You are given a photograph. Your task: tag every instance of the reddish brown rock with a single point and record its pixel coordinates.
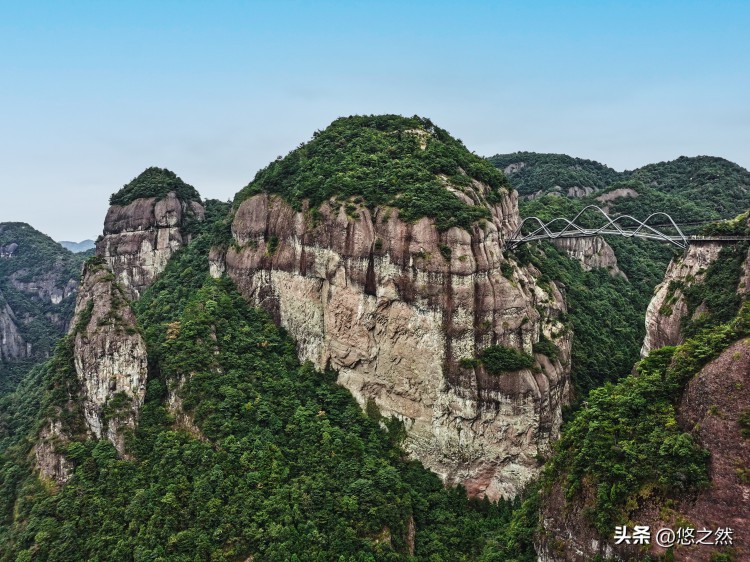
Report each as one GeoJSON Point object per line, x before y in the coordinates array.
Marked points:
{"type": "Point", "coordinates": [394, 306]}
{"type": "Point", "coordinates": [710, 408]}
{"type": "Point", "coordinates": [139, 238]}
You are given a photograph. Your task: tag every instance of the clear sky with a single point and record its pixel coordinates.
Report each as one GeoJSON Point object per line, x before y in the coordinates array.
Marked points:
{"type": "Point", "coordinates": [93, 92]}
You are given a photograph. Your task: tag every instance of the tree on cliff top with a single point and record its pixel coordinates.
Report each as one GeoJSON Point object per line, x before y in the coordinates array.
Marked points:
{"type": "Point", "coordinates": [154, 182]}
{"type": "Point", "coordinates": [388, 160]}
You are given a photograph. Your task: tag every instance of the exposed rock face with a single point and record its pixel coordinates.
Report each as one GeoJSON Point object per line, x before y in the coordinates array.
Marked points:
{"type": "Point", "coordinates": [710, 408]}
{"type": "Point", "coordinates": [591, 252]}
{"type": "Point", "coordinates": [110, 356]}
{"type": "Point", "coordinates": [140, 238]}
{"type": "Point", "coordinates": [50, 461]}
{"type": "Point", "coordinates": [394, 307]}
{"type": "Point", "coordinates": [38, 281]}
{"type": "Point", "coordinates": [513, 168]}
{"type": "Point", "coordinates": [578, 191]}
{"type": "Point", "coordinates": [8, 250]}
{"type": "Point", "coordinates": [668, 307]}
{"type": "Point", "coordinates": [47, 287]}
{"type": "Point", "coordinates": [12, 345]}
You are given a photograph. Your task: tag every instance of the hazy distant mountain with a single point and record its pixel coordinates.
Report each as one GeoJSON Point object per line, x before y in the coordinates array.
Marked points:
{"type": "Point", "coordinates": [77, 247]}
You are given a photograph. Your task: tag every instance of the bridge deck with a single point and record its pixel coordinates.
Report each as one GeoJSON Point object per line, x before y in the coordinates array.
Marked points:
{"type": "Point", "coordinates": [678, 240]}
{"type": "Point", "coordinates": [621, 225]}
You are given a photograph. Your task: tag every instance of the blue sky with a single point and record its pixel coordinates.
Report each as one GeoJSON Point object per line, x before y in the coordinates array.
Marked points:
{"type": "Point", "coordinates": [91, 93]}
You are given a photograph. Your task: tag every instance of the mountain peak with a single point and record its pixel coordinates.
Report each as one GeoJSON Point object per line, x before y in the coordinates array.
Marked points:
{"type": "Point", "coordinates": [386, 160]}
{"type": "Point", "coordinates": [154, 182]}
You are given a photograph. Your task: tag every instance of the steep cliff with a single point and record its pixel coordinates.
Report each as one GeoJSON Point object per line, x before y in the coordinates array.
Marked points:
{"type": "Point", "coordinates": [149, 219]}
{"type": "Point", "coordinates": [714, 409]}
{"type": "Point", "coordinates": [702, 287]}
{"type": "Point", "coordinates": [402, 309]}
{"type": "Point", "coordinates": [668, 307]}
{"type": "Point", "coordinates": [12, 345]}
{"type": "Point", "coordinates": [107, 374]}
{"type": "Point", "coordinates": [591, 252]}
{"type": "Point", "coordinates": [109, 354]}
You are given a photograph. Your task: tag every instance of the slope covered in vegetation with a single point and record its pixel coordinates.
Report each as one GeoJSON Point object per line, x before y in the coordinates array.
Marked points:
{"type": "Point", "coordinates": [626, 443]}
{"type": "Point", "coordinates": [391, 160]}
{"type": "Point", "coordinates": [154, 182]}
{"type": "Point", "coordinates": [284, 464]}
{"type": "Point", "coordinates": [36, 282]}
{"type": "Point", "coordinates": [701, 187]}
{"type": "Point", "coordinates": [534, 172]}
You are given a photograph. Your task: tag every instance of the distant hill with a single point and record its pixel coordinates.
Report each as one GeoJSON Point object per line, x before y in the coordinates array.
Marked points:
{"type": "Point", "coordinates": [692, 191]}
{"type": "Point", "coordinates": [38, 281]}
{"type": "Point", "coordinates": [77, 247]}
{"type": "Point", "coordinates": [534, 174]}
{"type": "Point", "coordinates": [694, 188]}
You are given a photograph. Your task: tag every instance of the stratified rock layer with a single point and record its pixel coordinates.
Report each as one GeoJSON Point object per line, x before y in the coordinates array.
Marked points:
{"type": "Point", "coordinates": [394, 307]}
{"type": "Point", "coordinates": [139, 238]}
{"type": "Point", "coordinates": [110, 357]}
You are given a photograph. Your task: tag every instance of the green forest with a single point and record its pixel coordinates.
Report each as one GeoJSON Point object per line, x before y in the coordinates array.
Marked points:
{"type": "Point", "coordinates": [38, 260]}
{"type": "Point", "coordinates": [154, 182]}
{"type": "Point", "coordinates": [278, 462]}
{"type": "Point", "coordinates": [286, 467]}
{"type": "Point", "coordinates": [383, 160]}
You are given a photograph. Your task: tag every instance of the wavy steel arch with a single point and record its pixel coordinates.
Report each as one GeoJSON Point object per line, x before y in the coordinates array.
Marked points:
{"type": "Point", "coordinates": [612, 226]}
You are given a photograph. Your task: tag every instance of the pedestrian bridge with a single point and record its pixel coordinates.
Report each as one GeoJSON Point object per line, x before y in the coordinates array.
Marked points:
{"type": "Point", "coordinates": [621, 225]}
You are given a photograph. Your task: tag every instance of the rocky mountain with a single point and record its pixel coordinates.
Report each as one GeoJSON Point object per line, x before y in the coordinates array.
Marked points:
{"type": "Point", "coordinates": [443, 348]}
{"type": "Point", "coordinates": [696, 413]}
{"type": "Point", "coordinates": [403, 310]}
{"type": "Point", "coordinates": [347, 362]}
{"type": "Point", "coordinates": [38, 280]}
{"type": "Point", "coordinates": [150, 218]}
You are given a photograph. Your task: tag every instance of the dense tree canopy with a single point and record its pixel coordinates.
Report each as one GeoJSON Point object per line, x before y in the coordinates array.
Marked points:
{"type": "Point", "coordinates": [383, 160]}
{"type": "Point", "coordinates": [154, 182]}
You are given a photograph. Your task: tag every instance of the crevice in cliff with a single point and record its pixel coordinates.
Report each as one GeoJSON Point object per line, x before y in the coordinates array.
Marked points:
{"type": "Point", "coordinates": [370, 282]}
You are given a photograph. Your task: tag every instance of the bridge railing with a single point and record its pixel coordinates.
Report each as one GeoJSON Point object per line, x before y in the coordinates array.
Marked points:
{"type": "Point", "coordinates": [570, 229]}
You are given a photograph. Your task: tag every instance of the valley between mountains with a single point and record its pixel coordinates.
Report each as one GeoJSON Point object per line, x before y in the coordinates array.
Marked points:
{"type": "Point", "coordinates": [346, 362]}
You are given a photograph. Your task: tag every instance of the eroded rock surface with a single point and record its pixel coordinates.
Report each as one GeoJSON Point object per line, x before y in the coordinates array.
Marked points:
{"type": "Point", "coordinates": [12, 345]}
{"type": "Point", "coordinates": [394, 307]}
{"type": "Point", "coordinates": [591, 253]}
{"type": "Point", "coordinates": [110, 356]}
{"type": "Point", "coordinates": [711, 409]}
{"type": "Point", "coordinates": [668, 307]}
{"type": "Point", "coordinates": [139, 238]}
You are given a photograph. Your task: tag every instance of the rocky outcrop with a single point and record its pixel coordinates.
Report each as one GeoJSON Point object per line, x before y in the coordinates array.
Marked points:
{"type": "Point", "coordinates": [578, 191]}
{"type": "Point", "coordinates": [51, 461]}
{"type": "Point", "coordinates": [47, 286]}
{"type": "Point", "coordinates": [712, 409]}
{"type": "Point", "coordinates": [591, 252]}
{"type": "Point", "coordinates": [668, 307]}
{"type": "Point", "coordinates": [614, 194]}
{"type": "Point", "coordinates": [38, 280]}
{"type": "Point", "coordinates": [110, 356]}
{"type": "Point", "coordinates": [394, 307]}
{"type": "Point", "coordinates": [8, 250]}
{"type": "Point", "coordinates": [12, 345]}
{"type": "Point", "coordinates": [139, 238]}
